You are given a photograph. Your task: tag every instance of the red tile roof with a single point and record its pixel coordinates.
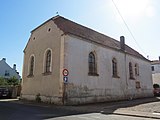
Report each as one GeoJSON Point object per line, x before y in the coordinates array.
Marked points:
{"type": "Point", "coordinates": [71, 27]}
{"type": "Point", "coordinates": [155, 62]}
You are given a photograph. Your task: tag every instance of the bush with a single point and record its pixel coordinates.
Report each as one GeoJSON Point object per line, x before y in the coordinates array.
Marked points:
{"type": "Point", "coordinates": [9, 81]}
{"type": "Point", "coordinates": [156, 86]}
{"type": "Point", "coordinates": [3, 82]}
{"type": "Point", "coordinates": [38, 98]}
{"type": "Point", "coordinates": [13, 81]}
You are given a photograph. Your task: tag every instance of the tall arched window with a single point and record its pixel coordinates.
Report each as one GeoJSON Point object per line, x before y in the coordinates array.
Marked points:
{"type": "Point", "coordinates": [130, 71]}
{"type": "Point", "coordinates": [31, 66]}
{"type": "Point", "coordinates": [48, 61]}
{"type": "Point", "coordinates": [136, 69]}
{"type": "Point", "coordinates": [92, 64]}
{"type": "Point", "coordinates": [114, 67]}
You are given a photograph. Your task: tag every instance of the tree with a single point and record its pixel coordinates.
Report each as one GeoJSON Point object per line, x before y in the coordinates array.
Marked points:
{"type": "Point", "coordinates": [3, 82]}
{"type": "Point", "coordinates": [13, 81]}
{"type": "Point", "coordinates": [9, 81]}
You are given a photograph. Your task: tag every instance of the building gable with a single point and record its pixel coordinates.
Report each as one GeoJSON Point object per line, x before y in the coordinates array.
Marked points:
{"type": "Point", "coordinates": [6, 71]}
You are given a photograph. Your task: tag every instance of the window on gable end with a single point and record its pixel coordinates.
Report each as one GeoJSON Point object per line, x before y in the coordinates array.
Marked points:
{"type": "Point", "coordinates": [31, 66]}
{"type": "Point", "coordinates": [6, 73]}
{"type": "Point", "coordinates": [48, 61]}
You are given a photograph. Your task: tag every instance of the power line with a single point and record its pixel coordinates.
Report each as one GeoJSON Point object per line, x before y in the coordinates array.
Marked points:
{"type": "Point", "coordinates": [127, 26]}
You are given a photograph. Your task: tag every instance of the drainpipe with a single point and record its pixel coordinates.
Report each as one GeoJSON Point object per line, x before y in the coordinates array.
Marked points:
{"type": "Point", "coordinates": [122, 46]}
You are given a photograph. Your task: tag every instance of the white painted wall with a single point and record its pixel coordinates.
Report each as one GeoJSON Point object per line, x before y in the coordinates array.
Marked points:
{"type": "Point", "coordinates": [5, 67]}
{"type": "Point", "coordinates": [83, 88]}
{"type": "Point", "coordinates": [156, 68]}
{"type": "Point", "coordinates": [156, 78]}
{"type": "Point", "coordinates": [156, 74]}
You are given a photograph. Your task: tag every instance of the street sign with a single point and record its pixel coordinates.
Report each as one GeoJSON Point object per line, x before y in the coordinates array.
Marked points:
{"type": "Point", "coordinates": [65, 79]}
{"type": "Point", "coordinates": [65, 72]}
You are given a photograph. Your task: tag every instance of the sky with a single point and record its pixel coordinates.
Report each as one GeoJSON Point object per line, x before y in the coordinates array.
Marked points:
{"type": "Point", "coordinates": [137, 20]}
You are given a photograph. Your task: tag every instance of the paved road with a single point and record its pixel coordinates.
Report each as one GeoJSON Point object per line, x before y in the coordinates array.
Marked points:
{"type": "Point", "coordinates": [15, 111]}
{"type": "Point", "coordinates": [10, 110]}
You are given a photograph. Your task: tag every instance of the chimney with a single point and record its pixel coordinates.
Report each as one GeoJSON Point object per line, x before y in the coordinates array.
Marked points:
{"type": "Point", "coordinates": [4, 59]}
{"type": "Point", "coordinates": [122, 43]}
{"type": "Point", "coordinates": [14, 67]}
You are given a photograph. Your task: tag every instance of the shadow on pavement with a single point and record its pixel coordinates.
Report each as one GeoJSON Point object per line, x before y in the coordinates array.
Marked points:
{"type": "Point", "coordinates": [26, 110]}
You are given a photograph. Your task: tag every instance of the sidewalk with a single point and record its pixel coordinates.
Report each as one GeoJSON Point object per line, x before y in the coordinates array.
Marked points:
{"type": "Point", "coordinates": [145, 107]}
{"type": "Point", "coordinates": [134, 113]}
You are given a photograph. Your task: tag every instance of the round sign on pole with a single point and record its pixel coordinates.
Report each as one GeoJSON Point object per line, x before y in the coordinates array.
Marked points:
{"type": "Point", "coordinates": [65, 72]}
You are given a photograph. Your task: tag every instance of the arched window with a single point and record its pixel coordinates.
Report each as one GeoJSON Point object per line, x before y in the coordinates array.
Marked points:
{"type": "Point", "coordinates": [31, 66]}
{"type": "Point", "coordinates": [136, 69]}
{"type": "Point", "coordinates": [48, 61]}
{"type": "Point", "coordinates": [92, 64]}
{"type": "Point", "coordinates": [114, 67]}
{"type": "Point", "coordinates": [130, 71]}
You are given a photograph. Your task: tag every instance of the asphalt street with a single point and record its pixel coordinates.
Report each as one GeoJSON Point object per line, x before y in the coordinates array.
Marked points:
{"type": "Point", "coordinates": [17, 110]}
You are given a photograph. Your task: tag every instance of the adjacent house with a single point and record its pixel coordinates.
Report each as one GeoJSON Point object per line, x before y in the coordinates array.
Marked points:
{"type": "Point", "coordinates": [155, 67]}
{"type": "Point", "coordinates": [6, 71]}
{"type": "Point", "coordinates": [67, 63]}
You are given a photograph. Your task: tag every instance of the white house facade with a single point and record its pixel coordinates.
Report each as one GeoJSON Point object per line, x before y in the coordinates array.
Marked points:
{"type": "Point", "coordinates": [99, 68]}
{"type": "Point", "coordinates": [6, 71]}
{"type": "Point", "coordinates": [155, 67]}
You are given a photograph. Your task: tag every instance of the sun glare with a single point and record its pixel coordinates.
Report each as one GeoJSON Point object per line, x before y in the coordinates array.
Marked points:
{"type": "Point", "coordinates": [132, 7]}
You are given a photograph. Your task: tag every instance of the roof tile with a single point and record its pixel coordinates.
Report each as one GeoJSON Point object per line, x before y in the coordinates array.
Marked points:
{"type": "Point", "coordinates": [71, 27]}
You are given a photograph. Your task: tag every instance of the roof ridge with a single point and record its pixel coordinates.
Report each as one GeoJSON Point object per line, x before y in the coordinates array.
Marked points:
{"type": "Point", "coordinates": [71, 27]}
{"type": "Point", "coordinates": [58, 16]}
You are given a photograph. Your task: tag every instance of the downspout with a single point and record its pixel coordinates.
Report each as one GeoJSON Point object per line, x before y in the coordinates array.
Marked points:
{"type": "Point", "coordinates": [122, 46]}
{"type": "Point", "coordinates": [126, 70]}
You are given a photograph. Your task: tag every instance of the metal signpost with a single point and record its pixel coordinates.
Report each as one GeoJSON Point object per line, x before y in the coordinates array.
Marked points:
{"type": "Point", "coordinates": [65, 73]}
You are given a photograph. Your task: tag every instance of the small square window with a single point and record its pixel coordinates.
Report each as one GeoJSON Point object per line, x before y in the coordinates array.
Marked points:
{"type": "Point", "coordinates": [138, 86]}
{"type": "Point", "coordinates": [6, 73]}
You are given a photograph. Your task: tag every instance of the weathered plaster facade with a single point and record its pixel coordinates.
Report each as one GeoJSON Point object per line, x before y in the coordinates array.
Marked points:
{"type": "Point", "coordinates": [49, 86]}
{"type": "Point", "coordinates": [83, 88]}
{"type": "Point", "coordinates": [71, 51]}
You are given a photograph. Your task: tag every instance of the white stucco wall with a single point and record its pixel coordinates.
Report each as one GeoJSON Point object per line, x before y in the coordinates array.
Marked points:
{"type": "Point", "coordinates": [5, 67]}
{"type": "Point", "coordinates": [156, 68]}
{"type": "Point", "coordinates": [156, 78]}
{"type": "Point", "coordinates": [156, 74]}
{"type": "Point", "coordinates": [82, 88]}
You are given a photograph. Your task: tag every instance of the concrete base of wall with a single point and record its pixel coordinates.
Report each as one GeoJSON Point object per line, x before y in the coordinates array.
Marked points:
{"type": "Point", "coordinates": [76, 100]}
{"type": "Point", "coordinates": [96, 99]}
{"type": "Point", "coordinates": [45, 99]}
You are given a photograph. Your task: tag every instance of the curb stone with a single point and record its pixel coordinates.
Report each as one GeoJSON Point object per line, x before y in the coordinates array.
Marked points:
{"type": "Point", "coordinates": [133, 113]}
